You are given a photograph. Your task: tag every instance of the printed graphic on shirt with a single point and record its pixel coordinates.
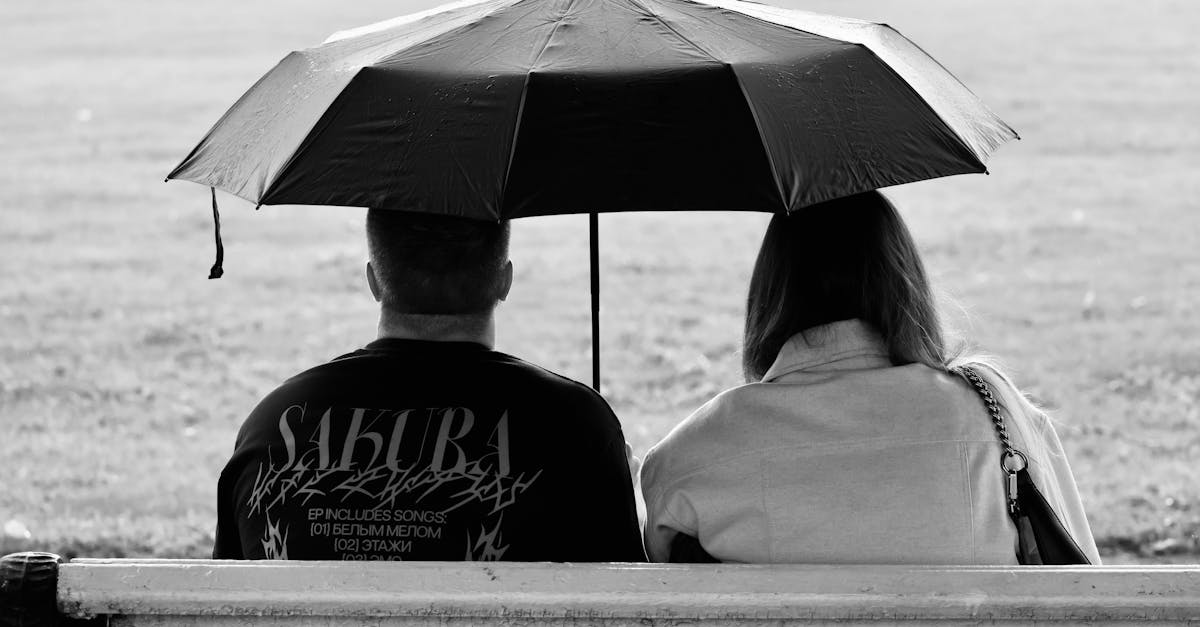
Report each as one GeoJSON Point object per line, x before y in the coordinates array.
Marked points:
{"type": "Point", "coordinates": [371, 484]}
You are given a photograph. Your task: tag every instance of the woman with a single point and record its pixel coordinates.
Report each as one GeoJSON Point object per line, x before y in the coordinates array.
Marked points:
{"type": "Point", "coordinates": [851, 442]}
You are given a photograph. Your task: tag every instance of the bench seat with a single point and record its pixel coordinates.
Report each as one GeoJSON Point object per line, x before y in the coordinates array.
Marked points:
{"type": "Point", "coordinates": [262, 593]}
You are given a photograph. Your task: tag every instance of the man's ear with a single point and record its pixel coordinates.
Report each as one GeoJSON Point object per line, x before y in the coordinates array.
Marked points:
{"type": "Point", "coordinates": [506, 280]}
{"type": "Point", "coordinates": [373, 283]}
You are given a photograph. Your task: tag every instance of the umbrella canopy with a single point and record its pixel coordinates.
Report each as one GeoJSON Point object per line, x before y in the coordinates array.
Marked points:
{"type": "Point", "coordinates": [497, 109]}
{"type": "Point", "coordinates": [500, 109]}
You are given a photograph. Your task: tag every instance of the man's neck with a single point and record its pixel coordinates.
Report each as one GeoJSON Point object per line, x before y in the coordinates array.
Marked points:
{"type": "Point", "coordinates": [478, 328]}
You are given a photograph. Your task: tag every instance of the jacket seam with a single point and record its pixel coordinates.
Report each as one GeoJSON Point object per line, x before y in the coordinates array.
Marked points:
{"type": "Point", "coordinates": [966, 474]}
{"type": "Point", "coordinates": [768, 529]}
{"type": "Point", "coordinates": [827, 446]}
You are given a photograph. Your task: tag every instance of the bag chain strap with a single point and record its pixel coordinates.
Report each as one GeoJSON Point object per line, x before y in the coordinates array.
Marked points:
{"type": "Point", "coordinates": [1008, 461]}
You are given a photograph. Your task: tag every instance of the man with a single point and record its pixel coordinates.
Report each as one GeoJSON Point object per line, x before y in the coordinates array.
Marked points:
{"type": "Point", "coordinates": [427, 444]}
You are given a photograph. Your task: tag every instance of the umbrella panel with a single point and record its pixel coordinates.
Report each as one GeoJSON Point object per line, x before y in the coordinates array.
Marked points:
{"type": "Point", "coordinates": [671, 139]}
{"type": "Point", "coordinates": [423, 142]}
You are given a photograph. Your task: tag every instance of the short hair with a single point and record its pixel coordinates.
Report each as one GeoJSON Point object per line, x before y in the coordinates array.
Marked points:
{"type": "Point", "coordinates": [434, 264]}
{"type": "Point", "coordinates": [847, 258]}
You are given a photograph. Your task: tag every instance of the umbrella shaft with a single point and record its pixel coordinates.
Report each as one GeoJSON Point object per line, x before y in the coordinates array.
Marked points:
{"type": "Point", "coordinates": [594, 245]}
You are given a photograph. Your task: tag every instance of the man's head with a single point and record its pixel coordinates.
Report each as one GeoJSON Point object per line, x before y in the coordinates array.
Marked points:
{"type": "Point", "coordinates": [437, 265]}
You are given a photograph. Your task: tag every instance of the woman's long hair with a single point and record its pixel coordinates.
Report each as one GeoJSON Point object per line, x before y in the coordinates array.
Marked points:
{"type": "Point", "coordinates": [847, 258]}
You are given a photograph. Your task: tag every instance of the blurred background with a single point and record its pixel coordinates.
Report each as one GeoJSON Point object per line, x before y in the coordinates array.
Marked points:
{"type": "Point", "coordinates": [124, 373]}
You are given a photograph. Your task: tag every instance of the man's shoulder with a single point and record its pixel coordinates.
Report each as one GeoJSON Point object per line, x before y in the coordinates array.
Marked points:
{"type": "Point", "coordinates": [501, 373]}
{"type": "Point", "coordinates": [539, 375]}
{"type": "Point", "coordinates": [331, 372]}
{"type": "Point", "coordinates": [558, 395]}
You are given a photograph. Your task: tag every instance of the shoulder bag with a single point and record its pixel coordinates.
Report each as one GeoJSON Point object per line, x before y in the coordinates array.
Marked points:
{"type": "Point", "coordinates": [1041, 536]}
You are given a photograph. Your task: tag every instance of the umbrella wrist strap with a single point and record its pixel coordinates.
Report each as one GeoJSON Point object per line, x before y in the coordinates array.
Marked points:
{"type": "Point", "coordinates": [217, 270]}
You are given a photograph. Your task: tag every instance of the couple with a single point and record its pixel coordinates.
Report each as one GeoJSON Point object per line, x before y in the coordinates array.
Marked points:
{"type": "Point", "coordinates": [851, 442]}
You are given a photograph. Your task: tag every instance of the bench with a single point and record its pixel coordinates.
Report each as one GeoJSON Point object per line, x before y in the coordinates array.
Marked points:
{"type": "Point", "coordinates": [37, 589]}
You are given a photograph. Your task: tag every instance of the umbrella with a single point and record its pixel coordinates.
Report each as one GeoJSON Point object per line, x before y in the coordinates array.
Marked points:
{"type": "Point", "coordinates": [499, 109]}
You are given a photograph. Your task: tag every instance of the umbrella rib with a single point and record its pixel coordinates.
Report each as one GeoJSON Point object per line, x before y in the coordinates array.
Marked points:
{"type": "Point", "coordinates": [1004, 132]}
{"type": "Point", "coordinates": [741, 89]}
{"type": "Point", "coordinates": [512, 149]}
{"type": "Point", "coordinates": [1004, 125]}
{"type": "Point", "coordinates": [402, 20]}
{"type": "Point", "coordinates": [183, 165]}
{"type": "Point", "coordinates": [546, 44]}
{"type": "Point", "coordinates": [786, 202]}
{"type": "Point", "coordinates": [318, 127]}
{"type": "Point", "coordinates": [648, 13]}
{"type": "Point", "coordinates": [962, 141]}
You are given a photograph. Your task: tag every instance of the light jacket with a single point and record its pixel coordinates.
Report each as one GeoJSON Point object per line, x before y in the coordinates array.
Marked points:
{"type": "Point", "coordinates": [838, 456]}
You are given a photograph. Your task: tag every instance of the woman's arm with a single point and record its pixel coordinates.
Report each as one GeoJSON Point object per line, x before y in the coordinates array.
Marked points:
{"type": "Point", "coordinates": [1057, 471]}
{"type": "Point", "coordinates": [667, 517]}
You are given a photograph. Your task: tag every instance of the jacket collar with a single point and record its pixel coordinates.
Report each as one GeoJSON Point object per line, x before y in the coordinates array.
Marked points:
{"type": "Point", "coordinates": [841, 345]}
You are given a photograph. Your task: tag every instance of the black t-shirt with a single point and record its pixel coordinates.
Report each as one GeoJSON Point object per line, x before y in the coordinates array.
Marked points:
{"type": "Point", "coordinates": [413, 450]}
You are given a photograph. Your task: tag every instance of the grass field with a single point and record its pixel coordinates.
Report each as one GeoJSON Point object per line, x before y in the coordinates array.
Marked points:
{"type": "Point", "coordinates": [124, 373]}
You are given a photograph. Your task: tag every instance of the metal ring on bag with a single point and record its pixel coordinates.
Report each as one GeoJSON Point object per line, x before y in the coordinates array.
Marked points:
{"type": "Point", "coordinates": [1010, 455]}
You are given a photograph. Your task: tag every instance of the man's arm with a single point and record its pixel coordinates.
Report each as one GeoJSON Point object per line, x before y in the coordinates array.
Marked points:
{"type": "Point", "coordinates": [228, 545]}
{"type": "Point", "coordinates": [605, 509]}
